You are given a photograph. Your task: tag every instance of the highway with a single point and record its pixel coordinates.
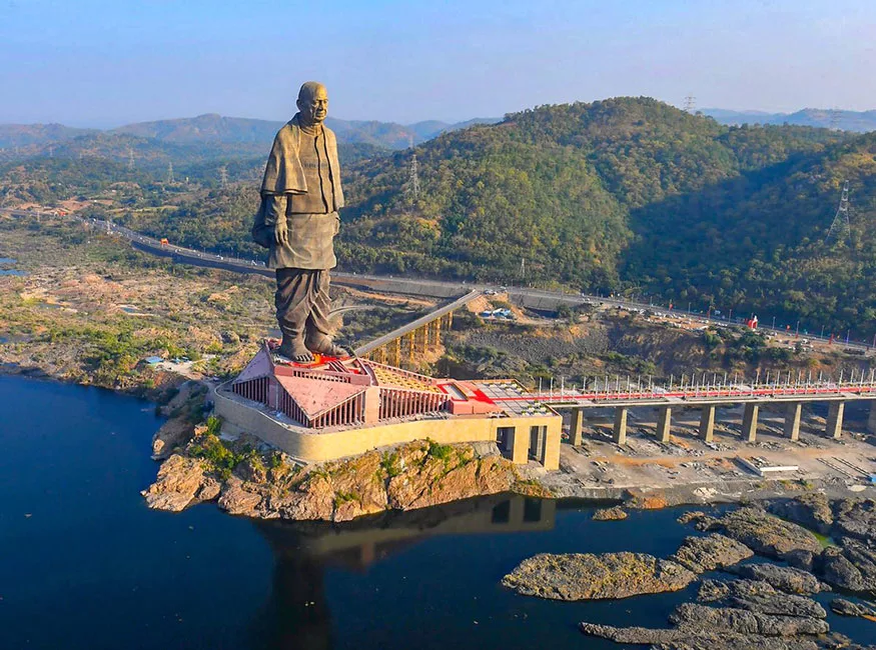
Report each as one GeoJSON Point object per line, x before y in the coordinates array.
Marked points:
{"type": "Point", "coordinates": [538, 299]}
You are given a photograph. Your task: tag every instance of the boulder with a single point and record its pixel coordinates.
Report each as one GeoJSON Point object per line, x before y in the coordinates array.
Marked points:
{"type": "Point", "coordinates": [715, 551]}
{"type": "Point", "coordinates": [584, 576]}
{"type": "Point", "coordinates": [610, 514]}
{"type": "Point", "coordinates": [788, 579]}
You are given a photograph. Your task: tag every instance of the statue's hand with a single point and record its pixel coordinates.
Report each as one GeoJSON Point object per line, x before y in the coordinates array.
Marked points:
{"type": "Point", "coordinates": [281, 233]}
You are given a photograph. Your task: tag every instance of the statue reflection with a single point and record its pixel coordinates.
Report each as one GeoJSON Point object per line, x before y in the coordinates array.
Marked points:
{"type": "Point", "coordinates": [298, 616]}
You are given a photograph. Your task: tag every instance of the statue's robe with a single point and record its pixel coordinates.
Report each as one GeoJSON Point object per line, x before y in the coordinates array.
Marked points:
{"type": "Point", "coordinates": [302, 185]}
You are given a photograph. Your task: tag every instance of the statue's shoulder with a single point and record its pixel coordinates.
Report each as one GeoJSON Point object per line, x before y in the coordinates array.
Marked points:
{"type": "Point", "coordinates": [286, 131]}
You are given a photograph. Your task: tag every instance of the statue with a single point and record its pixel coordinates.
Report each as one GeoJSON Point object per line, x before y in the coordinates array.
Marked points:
{"type": "Point", "coordinates": [298, 220]}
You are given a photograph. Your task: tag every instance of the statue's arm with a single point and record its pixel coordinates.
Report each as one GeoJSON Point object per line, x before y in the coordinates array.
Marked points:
{"type": "Point", "coordinates": [275, 216]}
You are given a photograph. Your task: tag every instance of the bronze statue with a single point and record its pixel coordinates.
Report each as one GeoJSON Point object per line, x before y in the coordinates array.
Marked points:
{"type": "Point", "coordinates": [298, 220]}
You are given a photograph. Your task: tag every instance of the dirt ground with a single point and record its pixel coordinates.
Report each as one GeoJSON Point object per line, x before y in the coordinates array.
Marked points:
{"type": "Point", "coordinates": [715, 471]}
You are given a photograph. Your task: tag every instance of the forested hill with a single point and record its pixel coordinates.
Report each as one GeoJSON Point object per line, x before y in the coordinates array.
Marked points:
{"type": "Point", "coordinates": [630, 192]}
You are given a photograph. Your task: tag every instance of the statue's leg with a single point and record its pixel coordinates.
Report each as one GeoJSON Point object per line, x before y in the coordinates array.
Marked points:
{"type": "Point", "coordinates": [318, 328]}
{"type": "Point", "coordinates": [292, 301]}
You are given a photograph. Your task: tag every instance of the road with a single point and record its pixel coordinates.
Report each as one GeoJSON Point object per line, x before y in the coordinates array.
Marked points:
{"type": "Point", "coordinates": [524, 296]}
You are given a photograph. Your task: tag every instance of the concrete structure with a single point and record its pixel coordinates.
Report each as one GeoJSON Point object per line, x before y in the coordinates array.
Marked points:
{"type": "Point", "coordinates": [749, 421]}
{"type": "Point", "coordinates": [793, 412]}
{"type": "Point", "coordinates": [620, 426]}
{"type": "Point", "coordinates": [835, 419]}
{"type": "Point", "coordinates": [336, 409]}
{"type": "Point", "coordinates": [407, 343]}
{"type": "Point", "coordinates": [707, 422]}
{"type": "Point", "coordinates": [664, 421]}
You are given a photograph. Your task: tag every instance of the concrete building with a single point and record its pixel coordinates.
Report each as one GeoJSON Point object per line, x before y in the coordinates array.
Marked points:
{"type": "Point", "coordinates": [343, 408]}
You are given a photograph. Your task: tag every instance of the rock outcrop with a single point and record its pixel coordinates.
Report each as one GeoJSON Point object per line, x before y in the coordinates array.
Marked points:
{"type": "Point", "coordinates": [768, 535]}
{"type": "Point", "coordinates": [812, 511]}
{"type": "Point", "coordinates": [693, 639]}
{"type": "Point", "coordinates": [851, 565]}
{"type": "Point", "coordinates": [181, 482]}
{"type": "Point", "coordinates": [610, 514]}
{"type": "Point", "coordinates": [715, 551]}
{"type": "Point", "coordinates": [845, 607]}
{"type": "Point", "coordinates": [856, 518]}
{"type": "Point", "coordinates": [760, 597]}
{"type": "Point", "coordinates": [586, 576]}
{"type": "Point", "coordinates": [268, 485]}
{"type": "Point", "coordinates": [787, 579]}
{"type": "Point", "coordinates": [740, 621]}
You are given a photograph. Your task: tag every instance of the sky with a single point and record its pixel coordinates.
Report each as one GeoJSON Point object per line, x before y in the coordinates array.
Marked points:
{"type": "Point", "coordinates": [97, 63]}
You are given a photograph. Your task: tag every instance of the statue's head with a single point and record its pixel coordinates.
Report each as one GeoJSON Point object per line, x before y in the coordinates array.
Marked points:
{"type": "Point", "coordinates": [313, 102]}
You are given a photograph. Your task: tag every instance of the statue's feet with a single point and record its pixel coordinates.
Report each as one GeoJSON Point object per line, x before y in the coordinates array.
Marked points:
{"type": "Point", "coordinates": [294, 350]}
{"type": "Point", "coordinates": [327, 348]}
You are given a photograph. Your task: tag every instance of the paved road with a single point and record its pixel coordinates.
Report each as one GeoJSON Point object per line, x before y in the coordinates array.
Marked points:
{"type": "Point", "coordinates": [526, 297]}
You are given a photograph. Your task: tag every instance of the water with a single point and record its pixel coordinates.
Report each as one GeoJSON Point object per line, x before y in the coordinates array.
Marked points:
{"type": "Point", "coordinates": [8, 261]}
{"type": "Point", "coordinates": [84, 564]}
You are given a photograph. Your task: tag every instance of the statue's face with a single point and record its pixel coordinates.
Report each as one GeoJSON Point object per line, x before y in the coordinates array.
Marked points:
{"type": "Point", "coordinates": [314, 108]}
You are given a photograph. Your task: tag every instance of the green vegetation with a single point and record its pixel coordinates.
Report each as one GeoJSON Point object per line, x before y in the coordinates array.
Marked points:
{"type": "Point", "coordinates": [389, 464]}
{"type": "Point", "coordinates": [626, 195]}
{"type": "Point", "coordinates": [439, 451]}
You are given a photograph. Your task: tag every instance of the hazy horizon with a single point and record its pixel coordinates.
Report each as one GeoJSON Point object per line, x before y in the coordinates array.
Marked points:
{"type": "Point", "coordinates": [103, 64]}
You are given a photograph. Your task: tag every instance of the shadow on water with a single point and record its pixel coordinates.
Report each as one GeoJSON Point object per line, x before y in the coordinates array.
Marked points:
{"type": "Point", "coordinates": [299, 615]}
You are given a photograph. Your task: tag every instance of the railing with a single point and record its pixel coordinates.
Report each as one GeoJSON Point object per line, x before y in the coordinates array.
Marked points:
{"type": "Point", "coordinates": [811, 390]}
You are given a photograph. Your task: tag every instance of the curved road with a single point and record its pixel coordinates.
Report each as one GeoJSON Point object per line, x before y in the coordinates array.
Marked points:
{"type": "Point", "coordinates": [526, 297]}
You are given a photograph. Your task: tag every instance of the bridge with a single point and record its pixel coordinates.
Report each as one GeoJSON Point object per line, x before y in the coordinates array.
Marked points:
{"type": "Point", "coordinates": [789, 392]}
{"type": "Point", "coordinates": [416, 337]}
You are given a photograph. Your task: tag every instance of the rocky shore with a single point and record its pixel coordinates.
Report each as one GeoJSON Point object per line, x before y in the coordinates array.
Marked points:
{"type": "Point", "coordinates": [743, 602]}
{"type": "Point", "coordinates": [251, 480]}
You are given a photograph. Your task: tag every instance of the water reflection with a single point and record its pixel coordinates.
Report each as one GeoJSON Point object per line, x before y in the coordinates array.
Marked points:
{"type": "Point", "coordinates": [298, 616]}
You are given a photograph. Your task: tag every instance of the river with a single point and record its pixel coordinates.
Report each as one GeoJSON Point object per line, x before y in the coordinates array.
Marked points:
{"type": "Point", "coordinates": [85, 565]}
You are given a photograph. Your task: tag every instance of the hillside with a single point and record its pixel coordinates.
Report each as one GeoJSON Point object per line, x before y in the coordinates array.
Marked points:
{"type": "Point", "coordinates": [26, 135]}
{"type": "Point", "coordinates": [624, 195]}
{"type": "Point", "coordinates": [858, 121]}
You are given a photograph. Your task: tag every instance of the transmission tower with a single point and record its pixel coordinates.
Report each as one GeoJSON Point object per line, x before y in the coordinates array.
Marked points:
{"type": "Point", "coordinates": [130, 158]}
{"type": "Point", "coordinates": [833, 119]}
{"type": "Point", "coordinates": [523, 268]}
{"type": "Point", "coordinates": [223, 177]}
{"type": "Point", "coordinates": [414, 180]}
{"type": "Point", "coordinates": [690, 104]}
{"type": "Point", "coordinates": [841, 229]}
{"type": "Point", "coordinates": [169, 173]}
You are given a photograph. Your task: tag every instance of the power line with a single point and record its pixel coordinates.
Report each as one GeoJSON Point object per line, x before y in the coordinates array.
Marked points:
{"type": "Point", "coordinates": [414, 177]}
{"type": "Point", "coordinates": [690, 103]}
{"type": "Point", "coordinates": [841, 228]}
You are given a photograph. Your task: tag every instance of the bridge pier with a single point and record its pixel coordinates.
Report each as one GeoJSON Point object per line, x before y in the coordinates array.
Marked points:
{"type": "Point", "coordinates": [577, 415]}
{"type": "Point", "coordinates": [664, 420]}
{"type": "Point", "coordinates": [749, 422]}
{"type": "Point", "coordinates": [793, 412]}
{"type": "Point", "coordinates": [707, 422]}
{"type": "Point", "coordinates": [620, 425]}
{"type": "Point", "coordinates": [871, 421]}
{"type": "Point", "coordinates": [835, 413]}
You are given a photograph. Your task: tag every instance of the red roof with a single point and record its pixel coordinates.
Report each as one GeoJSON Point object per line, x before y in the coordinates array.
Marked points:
{"type": "Point", "coordinates": [317, 397]}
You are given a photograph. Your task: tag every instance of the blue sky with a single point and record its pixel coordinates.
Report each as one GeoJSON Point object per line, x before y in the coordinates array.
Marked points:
{"type": "Point", "coordinates": [99, 63]}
